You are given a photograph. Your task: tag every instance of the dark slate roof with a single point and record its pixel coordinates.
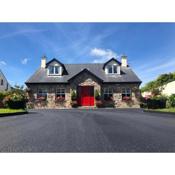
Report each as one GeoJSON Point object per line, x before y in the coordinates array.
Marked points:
{"type": "Point", "coordinates": [127, 75]}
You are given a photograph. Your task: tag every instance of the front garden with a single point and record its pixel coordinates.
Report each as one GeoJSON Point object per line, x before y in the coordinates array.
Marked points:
{"type": "Point", "coordinates": [156, 101]}
{"type": "Point", "coordinates": [13, 101]}
{"type": "Point", "coordinates": [159, 103]}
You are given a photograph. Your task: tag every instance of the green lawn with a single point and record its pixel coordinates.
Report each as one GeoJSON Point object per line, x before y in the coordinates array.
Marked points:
{"type": "Point", "coordinates": [163, 110]}
{"type": "Point", "coordinates": [10, 111]}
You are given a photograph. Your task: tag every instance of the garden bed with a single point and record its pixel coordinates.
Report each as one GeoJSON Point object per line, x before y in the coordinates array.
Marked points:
{"type": "Point", "coordinates": [8, 112]}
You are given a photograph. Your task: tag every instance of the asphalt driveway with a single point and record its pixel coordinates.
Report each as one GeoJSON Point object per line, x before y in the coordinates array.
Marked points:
{"type": "Point", "coordinates": [101, 130]}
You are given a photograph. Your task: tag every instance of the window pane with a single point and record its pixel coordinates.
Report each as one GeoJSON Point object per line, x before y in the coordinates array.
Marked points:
{"type": "Point", "coordinates": [110, 69]}
{"type": "Point", "coordinates": [110, 91]}
{"type": "Point", "coordinates": [51, 69]}
{"type": "Point", "coordinates": [123, 91]}
{"type": "Point", "coordinates": [42, 93]}
{"type": "Point", "coordinates": [62, 90]}
{"type": "Point", "coordinates": [115, 68]}
{"type": "Point", "coordinates": [57, 69]}
{"type": "Point", "coordinates": [60, 93]}
{"type": "Point", "coordinates": [105, 96]}
{"type": "Point", "coordinates": [105, 90]}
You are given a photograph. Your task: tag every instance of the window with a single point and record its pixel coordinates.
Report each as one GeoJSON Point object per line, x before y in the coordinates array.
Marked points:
{"type": "Point", "coordinates": [115, 69]}
{"type": "Point", "coordinates": [112, 69]}
{"type": "Point", "coordinates": [54, 70]}
{"type": "Point", "coordinates": [57, 70]}
{"type": "Point", "coordinates": [51, 70]}
{"type": "Point", "coordinates": [126, 93]}
{"type": "Point", "coordinates": [42, 93]}
{"type": "Point", "coordinates": [108, 93]}
{"type": "Point", "coordinates": [2, 82]}
{"type": "Point", "coordinates": [60, 93]}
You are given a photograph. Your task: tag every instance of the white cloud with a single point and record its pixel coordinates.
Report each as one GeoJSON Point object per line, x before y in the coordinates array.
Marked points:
{"type": "Point", "coordinates": [20, 32]}
{"type": "Point", "coordinates": [3, 63]}
{"type": "Point", "coordinates": [102, 54]}
{"type": "Point", "coordinates": [24, 61]}
{"type": "Point", "coordinates": [162, 66]}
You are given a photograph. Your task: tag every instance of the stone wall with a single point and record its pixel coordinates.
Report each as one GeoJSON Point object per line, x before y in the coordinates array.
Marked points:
{"type": "Point", "coordinates": [51, 90]}
{"type": "Point", "coordinates": [85, 79]}
{"type": "Point", "coordinates": [117, 94]}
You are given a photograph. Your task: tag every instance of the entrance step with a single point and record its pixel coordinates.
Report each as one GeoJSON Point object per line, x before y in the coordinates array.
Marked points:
{"type": "Point", "coordinates": [86, 107]}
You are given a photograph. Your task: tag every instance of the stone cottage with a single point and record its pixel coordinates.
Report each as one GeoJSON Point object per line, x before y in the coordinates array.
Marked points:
{"type": "Point", "coordinates": [57, 85]}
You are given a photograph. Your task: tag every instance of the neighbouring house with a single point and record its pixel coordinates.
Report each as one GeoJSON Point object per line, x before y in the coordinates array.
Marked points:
{"type": "Point", "coordinates": [4, 85]}
{"type": "Point", "coordinates": [53, 84]}
{"type": "Point", "coordinates": [167, 90]}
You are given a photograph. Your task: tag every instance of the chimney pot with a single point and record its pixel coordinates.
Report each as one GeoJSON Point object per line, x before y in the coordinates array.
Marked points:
{"type": "Point", "coordinates": [124, 61]}
{"type": "Point", "coordinates": [43, 61]}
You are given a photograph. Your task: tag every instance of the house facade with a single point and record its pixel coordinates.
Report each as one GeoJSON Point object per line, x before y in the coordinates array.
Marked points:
{"type": "Point", "coordinates": [4, 85]}
{"type": "Point", "coordinates": [58, 85]}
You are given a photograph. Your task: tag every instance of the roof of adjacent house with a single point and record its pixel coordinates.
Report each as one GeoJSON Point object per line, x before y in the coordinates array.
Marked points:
{"type": "Point", "coordinates": [126, 76]}
{"type": "Point", "coordinates": [6, 86]}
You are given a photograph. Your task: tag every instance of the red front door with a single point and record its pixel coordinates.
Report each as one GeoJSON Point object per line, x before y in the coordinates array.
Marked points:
{"type": "Point", "coordinates": [86, 95]}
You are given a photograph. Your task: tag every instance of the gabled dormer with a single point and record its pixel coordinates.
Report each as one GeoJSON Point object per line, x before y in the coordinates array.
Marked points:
{"type": "Point", "coordinates": [54, 67]}
{"type": "Point", "coordinates": [112, 67]}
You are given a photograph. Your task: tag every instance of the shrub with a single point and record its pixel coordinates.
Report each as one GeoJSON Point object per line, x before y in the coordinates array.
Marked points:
{"type": "Point", "coordinates": [109, 103]}
{"type": "Point", "coordinates": [74, 95]}
{"type": "Point", "coordinates": [97, 95]}
{"type": "Point", "coordinates": [99, 104]}
{"type": "Point", "coordinates": [16, 104]}
{"type": "Point", "coordinates": [74, 104]}
{"type": "Point", "coordinates": [171, 101]}
{"type": "Point", "coordinates": [2, 96]}
{"type": "Point", "coordinates": [156, 102]}
{"type": "Point", "coordinates": [15, 99]}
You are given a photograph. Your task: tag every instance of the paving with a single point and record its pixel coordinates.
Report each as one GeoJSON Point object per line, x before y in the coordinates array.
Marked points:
{"type": "Point", "coordinates": [88, 130]}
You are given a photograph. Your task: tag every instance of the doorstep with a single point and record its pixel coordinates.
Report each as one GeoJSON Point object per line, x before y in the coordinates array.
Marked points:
{"type": "Point", "coordinates": [86, 107]}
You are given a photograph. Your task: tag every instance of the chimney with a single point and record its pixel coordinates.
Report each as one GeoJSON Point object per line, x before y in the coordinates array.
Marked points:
{"type": "Point", "coordinates": [124, 61]}
{"type": "Point", "coordinates": [43, 62]}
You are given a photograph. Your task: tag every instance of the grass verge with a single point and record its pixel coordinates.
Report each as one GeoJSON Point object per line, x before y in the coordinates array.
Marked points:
{"type": "Point", "coordinates": [11, 111]}
{"type": "Point", "coordinates": [166, 110]}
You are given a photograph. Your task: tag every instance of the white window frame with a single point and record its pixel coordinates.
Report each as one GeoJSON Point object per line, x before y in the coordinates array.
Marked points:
{"type": "Point", "coordinates": [41, 93]}
{"type": "Point", "coordinates": [54, 70]}
{"type": "Point", "coordinates": [108, 92]}
{"type": "Point", "coordinates": [112, 69]}
{"type": "Point", "coordinates": [126, 92]}
{"type": "Point", "coordinates": [61, 92]}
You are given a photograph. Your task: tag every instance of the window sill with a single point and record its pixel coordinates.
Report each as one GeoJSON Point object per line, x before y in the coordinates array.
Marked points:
{"type": "Point", "coordinates": [54, 75]}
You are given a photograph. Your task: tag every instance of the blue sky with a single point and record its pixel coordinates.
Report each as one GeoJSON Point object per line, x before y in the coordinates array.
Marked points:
{"type": "Point", "coordinates": [150, 47]}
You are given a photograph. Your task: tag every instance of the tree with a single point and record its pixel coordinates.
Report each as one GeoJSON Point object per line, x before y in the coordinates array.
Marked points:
{"type": "Point", "coordinates": [157, 84]}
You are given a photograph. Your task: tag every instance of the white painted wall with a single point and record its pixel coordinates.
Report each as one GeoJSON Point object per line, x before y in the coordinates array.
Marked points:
{"type": "Point", "coordinates": [169, 88]}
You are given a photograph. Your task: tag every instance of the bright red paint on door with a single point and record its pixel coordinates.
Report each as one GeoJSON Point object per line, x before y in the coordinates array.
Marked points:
{"type": "Point", "coordinates": [86, 95]}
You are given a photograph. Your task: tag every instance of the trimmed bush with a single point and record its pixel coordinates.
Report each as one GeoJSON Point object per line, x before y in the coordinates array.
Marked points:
{"type": "Point", "coordinates": [156, 102]}
{"type": "Point", "coordinates": [16, 104]}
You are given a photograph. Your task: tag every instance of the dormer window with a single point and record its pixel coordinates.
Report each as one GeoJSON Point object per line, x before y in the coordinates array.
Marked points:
{"type": "Point", "coordinates": [112, 66]}
{"type": "Point", "coordinates": [112, 69]}
{"type": "Point", "coordinates": [54, 70]}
